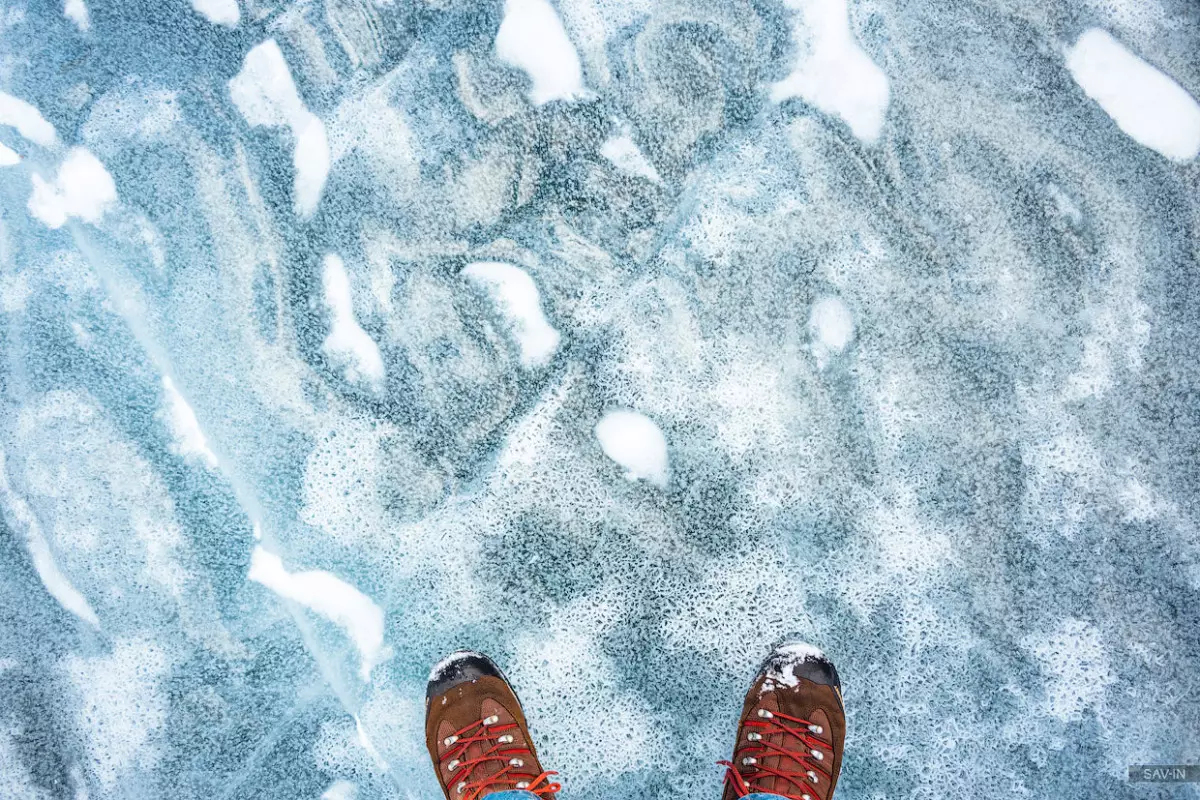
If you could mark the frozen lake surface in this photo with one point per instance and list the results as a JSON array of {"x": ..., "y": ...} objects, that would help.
[{"x": 617, "y": 339}]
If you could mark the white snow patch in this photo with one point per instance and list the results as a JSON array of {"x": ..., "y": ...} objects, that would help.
[
  {"x": 329, "y": 596},
  {"x": 21, "y": 518},
  {"x": 831, "y": 326},
  {"x": 219, "y": 12},
  {"x": 439, "y": 669},
  {"x": 833, "y": 73},
  {"x": 8, "y": 156},
  {"x": 311, "y": 160},
  {"x": 800, "y": 651},
  {"x": 83, "y": 188},
  {"x": 28, "y": 121},
  {"x": 783, "y": 661},
  {"x": 517, "y": 299},
  {"x": 266, "y": 95},
  {"x": 77, "y": 12},
  {"x": 189, "y": 439},
  {"x": 635, "y": 443},
  {"x": 623, "y": 151},
  {"x": 532, "y": 38},
  {"x": 1146, "y": 104},
  {"x": 340, "y": 790},
  {"x": 347, "y": 342}
]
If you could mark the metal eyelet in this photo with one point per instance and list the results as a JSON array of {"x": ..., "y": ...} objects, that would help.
[
  {"x": 492, "y": 720},
  {"x": 818, "y": 755},
  {"x": 505, "y": 739},
  {"x": 462, "y": 786},
  {"x": 453, "y": 765},
  {"x": 522, "y": 784},
  {"x": 812, "y": 776},
  {"x": 516, "y": 762},
  {"x": 754, "y": 737},
  {"x": 762, "y": 712},
  {"x": 817, "y": 729},
  {"x": 748, "y": 760},
  {"x": 449, "y": 740}
]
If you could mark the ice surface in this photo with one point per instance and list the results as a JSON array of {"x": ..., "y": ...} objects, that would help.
[{"x": 332, "y": 336}]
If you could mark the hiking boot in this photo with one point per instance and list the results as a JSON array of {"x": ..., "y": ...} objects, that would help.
[
  {"x": 476, "y": 732},
  {"x": 792, "y": 729}
]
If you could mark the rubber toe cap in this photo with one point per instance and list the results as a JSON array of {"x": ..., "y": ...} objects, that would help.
[
  {"x": 458, "y": 668},
  {"x": 801, "y": 660}
]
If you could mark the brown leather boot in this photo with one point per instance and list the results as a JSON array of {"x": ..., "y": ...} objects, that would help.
[
  {"x": 476, "y": 732},
  {"x": 792, "y": 729}
]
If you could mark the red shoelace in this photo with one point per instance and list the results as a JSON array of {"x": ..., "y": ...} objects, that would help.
[
  {"x": 749, "y": 755},
  {"x": 494, "y": 737}
]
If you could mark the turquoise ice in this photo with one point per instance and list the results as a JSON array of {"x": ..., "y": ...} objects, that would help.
[{"x": 617, "y": 339}]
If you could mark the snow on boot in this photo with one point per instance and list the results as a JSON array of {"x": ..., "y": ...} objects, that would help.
[
  {"x": 792, "y": 729},
  {"x": 476, "y": 731}
]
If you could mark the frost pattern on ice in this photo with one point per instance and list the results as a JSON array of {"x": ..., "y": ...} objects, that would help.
[
  {"x": 921, "y": 336},
  {"x": 123, "y": 707},
  {"x": 20, "y": 518},
  {"x": 1074, "y": 661}
]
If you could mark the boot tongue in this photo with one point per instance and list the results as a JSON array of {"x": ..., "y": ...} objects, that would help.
[
  {"x": 770, "y": 701},
  {"x": 489, "y": 708}
]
